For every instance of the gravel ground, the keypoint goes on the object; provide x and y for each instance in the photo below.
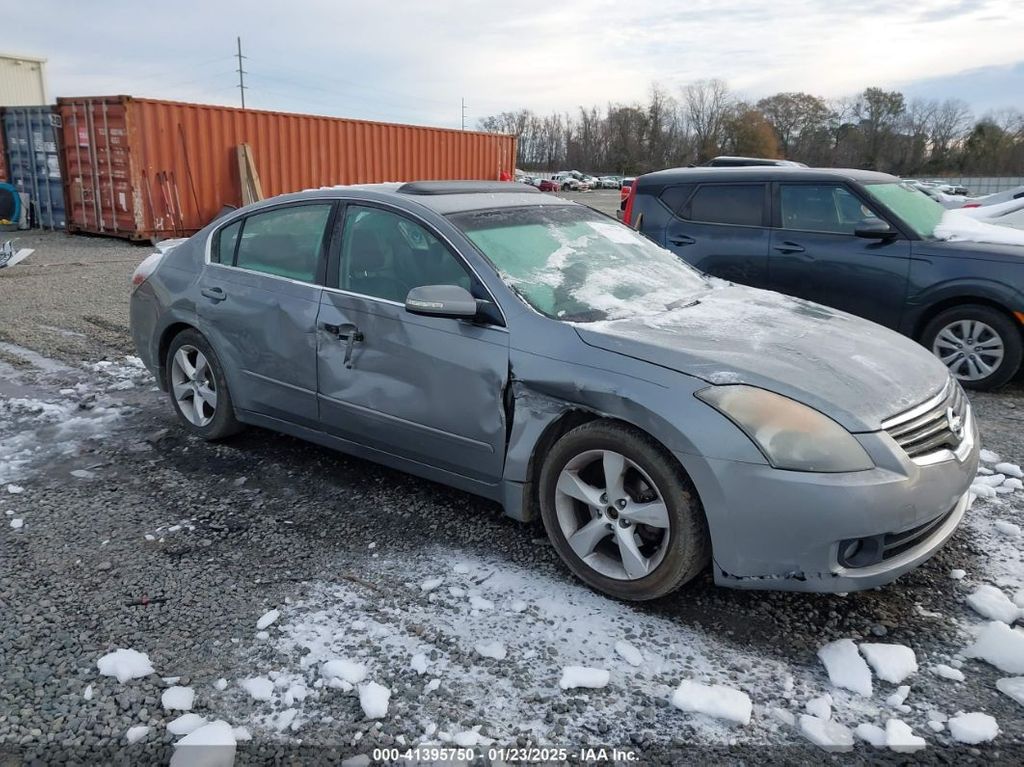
(175, 548)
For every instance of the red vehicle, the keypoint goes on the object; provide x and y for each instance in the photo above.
(547, 185)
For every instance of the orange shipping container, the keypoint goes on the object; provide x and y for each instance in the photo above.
(147, 169)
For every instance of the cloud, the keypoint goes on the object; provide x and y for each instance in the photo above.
(412, 61)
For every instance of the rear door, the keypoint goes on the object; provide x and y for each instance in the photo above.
(816, 255)
(258, 303)
(722, 229)
(426, 389)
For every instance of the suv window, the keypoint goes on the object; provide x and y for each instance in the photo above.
(822, 208)
(737, 204)
(676, 196)
(286, 242)
(385, 255)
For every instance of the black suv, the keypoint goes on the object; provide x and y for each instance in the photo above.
(855, 240)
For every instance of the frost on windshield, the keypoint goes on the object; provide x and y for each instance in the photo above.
(572, 264)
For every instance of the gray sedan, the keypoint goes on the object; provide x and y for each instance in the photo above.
(537, 353)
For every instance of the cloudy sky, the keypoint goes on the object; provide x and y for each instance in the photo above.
(413, 61)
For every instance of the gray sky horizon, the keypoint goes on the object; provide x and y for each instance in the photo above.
(404, 61)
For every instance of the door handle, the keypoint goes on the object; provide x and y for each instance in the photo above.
(215, 294)
(348, 333)
(789, 247)
(682, 239)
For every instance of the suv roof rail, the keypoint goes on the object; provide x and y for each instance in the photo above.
(464, 187)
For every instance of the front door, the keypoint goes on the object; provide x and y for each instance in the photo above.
(816, 255)
(258, 303)
(426, 389)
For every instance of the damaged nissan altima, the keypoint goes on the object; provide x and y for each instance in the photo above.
(537, 353)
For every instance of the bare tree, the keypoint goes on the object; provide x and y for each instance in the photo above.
(706, 104)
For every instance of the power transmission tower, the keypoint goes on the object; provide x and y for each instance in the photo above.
(241, 72)
(463, 114)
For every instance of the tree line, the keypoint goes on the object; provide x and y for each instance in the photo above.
(876, 129)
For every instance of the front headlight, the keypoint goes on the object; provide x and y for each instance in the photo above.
(791, 435)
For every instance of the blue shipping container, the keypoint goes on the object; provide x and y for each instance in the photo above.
(32, 135)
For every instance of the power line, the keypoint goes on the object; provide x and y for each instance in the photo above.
(241, 73)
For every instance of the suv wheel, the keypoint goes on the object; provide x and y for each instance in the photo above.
(980, 345)
(622, 515)
(198, 390)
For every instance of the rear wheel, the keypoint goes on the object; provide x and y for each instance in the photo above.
(621, 514)
(980, 345)
(198, 389)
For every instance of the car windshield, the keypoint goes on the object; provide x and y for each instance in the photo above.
(571, 263)
(920, 212)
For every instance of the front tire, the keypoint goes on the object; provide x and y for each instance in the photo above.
(980, 345)
(197, 387)
(621, 513)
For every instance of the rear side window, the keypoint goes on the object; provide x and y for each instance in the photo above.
(285, 242)
(675, 197)
(224, 250)
(736, 204)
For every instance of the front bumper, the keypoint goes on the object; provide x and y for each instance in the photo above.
(795, 531)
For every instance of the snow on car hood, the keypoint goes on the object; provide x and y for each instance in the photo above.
(976, 226)
(855, 371)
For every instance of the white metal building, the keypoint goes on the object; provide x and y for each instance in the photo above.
(22, 81)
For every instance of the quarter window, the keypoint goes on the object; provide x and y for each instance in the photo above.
(224, 253)
(736, 204)
(286, 242)
(822, 208)
(385, 255)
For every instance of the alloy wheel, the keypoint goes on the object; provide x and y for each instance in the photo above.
(971, 349)
(193, 385)
(612, 515)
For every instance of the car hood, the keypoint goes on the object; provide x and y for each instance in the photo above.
(854, 371)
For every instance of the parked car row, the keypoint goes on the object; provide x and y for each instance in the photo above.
(538, 353)
(571, 181)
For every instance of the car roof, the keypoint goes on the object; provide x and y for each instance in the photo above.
(750, 173)
(442, 197)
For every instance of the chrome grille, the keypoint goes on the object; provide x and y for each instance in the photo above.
(939, 424)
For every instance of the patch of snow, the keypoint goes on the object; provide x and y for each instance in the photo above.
(990, 602)
(17, 523)
(983, 491)
(178, 698)
(517, 606)
(374, 700)
(891, 662)
(999, 645)
(125, 665)
(993, 480)
(267, 619)
(629, 653)
(259, 688)
(212, 745)
(430, 584)
(1009, 469)
(988, 456)
(830, 736)
(185, 724)
(957, 227)
(350, 671)
(583, 676)
(419, 663)
(221, 684)
(87, 693)
(900, 696)
(1009, 529)
(973, 728)
(820, 706)
(948, 672)
(900, 738)
(957, 575)
(492, 649)
(871, 733)
(479, 603)
(845, 667)
(1012, 686)
(715, 700)
(137, 733)
(15, 489)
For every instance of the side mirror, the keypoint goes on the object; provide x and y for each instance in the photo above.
(877, 230)
(441, 301)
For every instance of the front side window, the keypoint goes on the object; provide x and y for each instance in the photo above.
(385, 255)
(822, 208)
(736, 204)
(574, 264)
(285, 242)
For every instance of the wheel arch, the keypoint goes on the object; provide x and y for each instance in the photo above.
(167, 337)
(951, 302)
